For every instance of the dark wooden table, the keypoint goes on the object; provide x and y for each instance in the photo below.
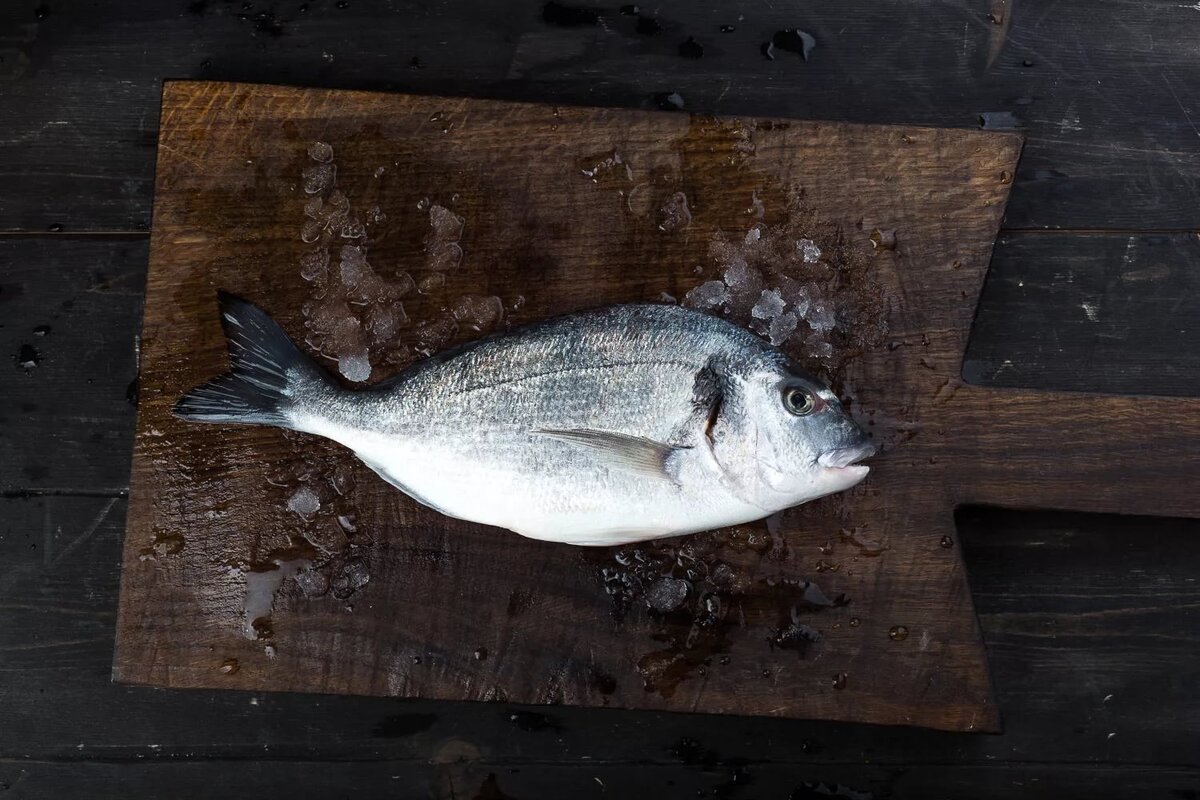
(1090, 621)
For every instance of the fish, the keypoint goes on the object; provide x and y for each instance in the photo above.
(604, 427)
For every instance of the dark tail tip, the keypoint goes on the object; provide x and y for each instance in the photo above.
(268, 372)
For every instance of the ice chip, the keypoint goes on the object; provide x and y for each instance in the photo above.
(741, 278)
(674, 213)
(312, 583)
(707, 295)
(443, 256)
(354, 576)
(782, 327)
(431, 283)
(801, 299)
(820, 317)
(769, 306)
(313, 265)
(318, 178)
(478, 312)
(355, 366)
(354, 267)
(311, 231)
(321, 152)
(667, 594)
(445, 224)
(809, 251)
(304, 502)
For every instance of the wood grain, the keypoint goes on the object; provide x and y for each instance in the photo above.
(205, 522)
(1109, 116)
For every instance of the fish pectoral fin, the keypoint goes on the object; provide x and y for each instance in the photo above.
(621, 451)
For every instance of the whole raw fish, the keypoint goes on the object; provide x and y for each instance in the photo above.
(622, 424)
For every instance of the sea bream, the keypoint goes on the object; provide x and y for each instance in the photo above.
(622, 424)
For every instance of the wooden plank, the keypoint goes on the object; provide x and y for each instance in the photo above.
(229, 205)
(71, 312)
(84, 82)
(1090, 313)
(492, 781)
(1099, 639)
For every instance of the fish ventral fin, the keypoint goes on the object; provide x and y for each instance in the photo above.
(634, 454)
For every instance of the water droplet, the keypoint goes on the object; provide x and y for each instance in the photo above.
(946, 542)
(1005, 176)
(480, 654)
(855, 622)
(839, 680)
(898, 633)
(728, 29)
(415, 63)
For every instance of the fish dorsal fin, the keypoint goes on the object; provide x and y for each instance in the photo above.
(620, 451)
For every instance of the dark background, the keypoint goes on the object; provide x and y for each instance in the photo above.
(1090, 621)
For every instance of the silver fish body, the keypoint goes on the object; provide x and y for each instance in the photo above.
(621, 424)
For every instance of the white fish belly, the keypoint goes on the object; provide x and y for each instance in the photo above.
(555, 493)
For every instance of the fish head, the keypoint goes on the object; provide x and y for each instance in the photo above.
(796, 440)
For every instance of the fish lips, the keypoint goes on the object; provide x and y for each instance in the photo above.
(845, 459)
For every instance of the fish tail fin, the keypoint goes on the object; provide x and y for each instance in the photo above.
(269, 375)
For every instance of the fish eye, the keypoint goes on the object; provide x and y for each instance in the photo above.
(799, 401)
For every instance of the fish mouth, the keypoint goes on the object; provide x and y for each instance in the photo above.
(847, 458)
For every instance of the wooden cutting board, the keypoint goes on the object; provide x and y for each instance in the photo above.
(258, 559)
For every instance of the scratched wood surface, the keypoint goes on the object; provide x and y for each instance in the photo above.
(566, 209)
